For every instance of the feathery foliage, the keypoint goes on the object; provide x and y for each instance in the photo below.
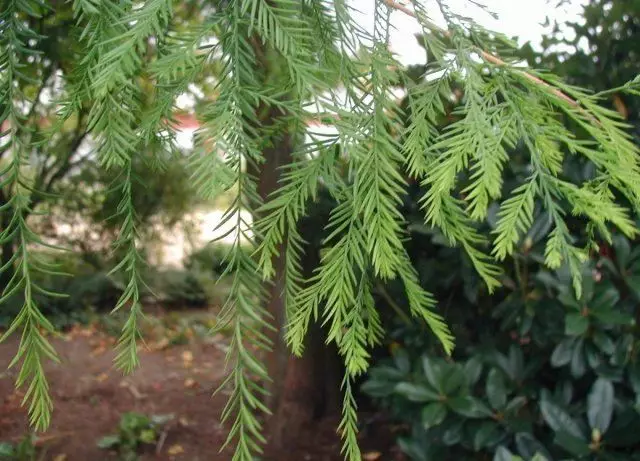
(304, 60)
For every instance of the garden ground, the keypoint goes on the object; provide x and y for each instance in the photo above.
(177, 376)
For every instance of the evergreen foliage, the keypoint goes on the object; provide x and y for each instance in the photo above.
(349, 74)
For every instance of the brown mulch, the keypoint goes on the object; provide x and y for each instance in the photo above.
(90, 396)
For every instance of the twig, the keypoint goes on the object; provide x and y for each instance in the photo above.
(484, 54)
(161, 441)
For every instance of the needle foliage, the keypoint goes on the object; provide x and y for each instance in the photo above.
(336, 70)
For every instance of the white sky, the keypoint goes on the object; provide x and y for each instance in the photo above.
(522, 18)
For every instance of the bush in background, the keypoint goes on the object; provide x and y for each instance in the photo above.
(536, 372)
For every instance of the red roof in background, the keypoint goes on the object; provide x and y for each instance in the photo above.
(186, 121)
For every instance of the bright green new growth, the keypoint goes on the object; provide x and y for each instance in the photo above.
(331, 63)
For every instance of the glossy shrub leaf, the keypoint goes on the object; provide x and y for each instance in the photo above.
(496, 389)
(593, 356)
(488, 434)
(634, 376)
(378, 388)
(613, 317)
(600, 405)
(503, 454)
(515, 404)
(558, 419)
(470, 407)
(578, 360)
(528, 446)
(452, 379)
(453, 434)
(416, 392)
(605, 299)
(561, 355)
(577, 446)
(433, 372)
(604, 342)
(473, 370)
(401, 360)
(433, 414)
(576, 324)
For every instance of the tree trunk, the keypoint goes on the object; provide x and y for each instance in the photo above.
(303, 389)
(7, 247)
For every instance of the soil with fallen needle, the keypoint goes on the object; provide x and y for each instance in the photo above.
(90, 396)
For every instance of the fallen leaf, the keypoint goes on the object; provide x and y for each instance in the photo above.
(187, 356)
(189, 383)
(160, 345)
(175, 450)
(371, 456)
(183, 421)
(60, 457)
(98, 351)
(102, 377)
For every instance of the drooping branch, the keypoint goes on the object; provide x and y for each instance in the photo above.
(493, 59)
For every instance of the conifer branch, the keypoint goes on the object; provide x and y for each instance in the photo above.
(425, 22)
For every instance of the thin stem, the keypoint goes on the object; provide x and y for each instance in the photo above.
(484, 54)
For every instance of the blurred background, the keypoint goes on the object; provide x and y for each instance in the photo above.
(537, 374)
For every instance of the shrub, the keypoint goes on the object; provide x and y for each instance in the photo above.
(84, 286)
(536, 371)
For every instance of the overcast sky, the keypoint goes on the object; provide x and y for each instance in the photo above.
(522, 18)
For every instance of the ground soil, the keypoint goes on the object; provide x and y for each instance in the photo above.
(90, 396)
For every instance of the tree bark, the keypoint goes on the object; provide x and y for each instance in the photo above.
(303, 389)
(7, 247)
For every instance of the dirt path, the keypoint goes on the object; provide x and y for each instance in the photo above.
(90, 396)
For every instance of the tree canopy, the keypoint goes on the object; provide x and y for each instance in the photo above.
(295, 61)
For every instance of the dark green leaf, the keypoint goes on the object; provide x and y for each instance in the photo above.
(515, 404)
(613, 317)
(503, 454)
(416, 392)
(488, 434)
(575, 445)
(578, 360)
(470, 407)
(562, 353)
(433, 414)
(376, 388)
(634, 376)
(516, 363)
(433, 372)
(453, 434)
(594, 358)
(633, 282)
(605, 299)
(558, 419)
(567, 298)
(401, 359)
(623, 350)
(600, 405)
(453, 378)
(496, 389)
(604, 342)
(528, 446)
(576, 324)
(473, 370)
